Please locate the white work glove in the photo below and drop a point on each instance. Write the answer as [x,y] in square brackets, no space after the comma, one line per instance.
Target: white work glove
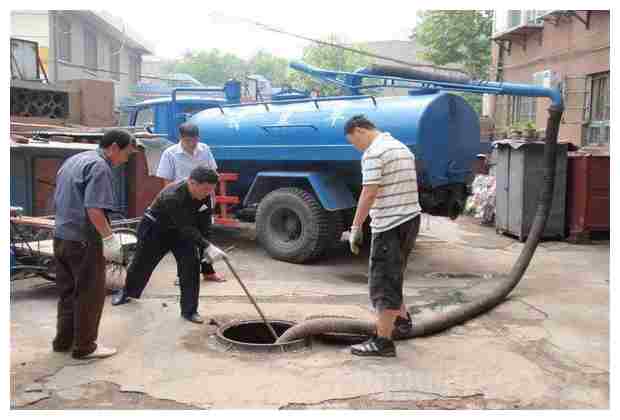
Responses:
[356,237]
[112,249]
[213,254]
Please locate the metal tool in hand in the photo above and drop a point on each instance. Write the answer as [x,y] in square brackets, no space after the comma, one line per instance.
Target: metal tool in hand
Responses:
[247,292]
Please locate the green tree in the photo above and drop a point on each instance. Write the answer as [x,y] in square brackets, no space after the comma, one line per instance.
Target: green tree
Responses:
[457,37]
[327,57]
[268,65]
[211,67]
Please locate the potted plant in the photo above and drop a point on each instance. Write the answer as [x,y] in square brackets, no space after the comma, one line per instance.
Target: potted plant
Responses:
[529,130]
[515,131]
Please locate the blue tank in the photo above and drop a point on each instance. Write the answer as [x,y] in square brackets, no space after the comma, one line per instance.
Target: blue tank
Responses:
[440,128]
[300,179]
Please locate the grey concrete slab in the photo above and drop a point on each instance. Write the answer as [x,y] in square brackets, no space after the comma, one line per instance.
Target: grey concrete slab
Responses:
[547,346]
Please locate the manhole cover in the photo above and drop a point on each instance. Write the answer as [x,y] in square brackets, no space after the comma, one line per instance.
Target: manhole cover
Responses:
[253,335]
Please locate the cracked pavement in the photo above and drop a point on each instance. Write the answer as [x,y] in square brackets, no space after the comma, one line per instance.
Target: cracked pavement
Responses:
[547,346]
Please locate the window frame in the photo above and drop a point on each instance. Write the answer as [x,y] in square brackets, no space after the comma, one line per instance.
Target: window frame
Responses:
[134,69]
[143,111]
[115,60]
[595,112]
[63,36]
[88,49]
[523,109]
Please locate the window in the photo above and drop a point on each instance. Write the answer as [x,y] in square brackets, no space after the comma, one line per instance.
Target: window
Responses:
[63,36]
[90,49]
[532,17]
[514,18]
[597,112]
[134,69]
[523,109]
[115,60]
[145,117]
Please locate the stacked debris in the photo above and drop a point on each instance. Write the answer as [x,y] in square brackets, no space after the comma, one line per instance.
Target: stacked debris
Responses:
[32,129]
[481,204]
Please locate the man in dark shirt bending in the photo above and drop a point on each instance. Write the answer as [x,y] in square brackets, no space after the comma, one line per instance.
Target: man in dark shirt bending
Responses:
[177,221]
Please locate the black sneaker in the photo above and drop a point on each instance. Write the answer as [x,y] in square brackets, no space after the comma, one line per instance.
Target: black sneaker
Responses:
[376,346]
[402,327]
[120,298]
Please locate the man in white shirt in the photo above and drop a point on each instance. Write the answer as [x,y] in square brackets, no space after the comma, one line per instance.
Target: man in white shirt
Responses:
[390,196]
[178,161]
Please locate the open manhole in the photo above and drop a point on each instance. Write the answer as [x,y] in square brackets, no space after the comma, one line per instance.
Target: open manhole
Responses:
[253,335]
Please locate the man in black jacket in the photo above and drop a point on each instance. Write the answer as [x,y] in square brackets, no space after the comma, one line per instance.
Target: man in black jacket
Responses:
[177,221]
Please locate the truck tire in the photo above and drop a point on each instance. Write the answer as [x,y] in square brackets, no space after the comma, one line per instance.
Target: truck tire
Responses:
[335,223]
[292,226]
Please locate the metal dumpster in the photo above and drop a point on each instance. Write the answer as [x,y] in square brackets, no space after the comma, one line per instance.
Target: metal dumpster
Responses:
[519,172]
[588,195]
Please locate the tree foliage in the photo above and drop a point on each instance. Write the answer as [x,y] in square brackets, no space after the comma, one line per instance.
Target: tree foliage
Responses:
[460,37]
[457,37]
[273,68]
[213,67]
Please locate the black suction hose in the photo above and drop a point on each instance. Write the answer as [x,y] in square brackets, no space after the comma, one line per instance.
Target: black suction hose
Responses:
[441,321]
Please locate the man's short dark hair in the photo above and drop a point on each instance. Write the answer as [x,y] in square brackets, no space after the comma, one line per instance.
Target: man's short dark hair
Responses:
[188,129]
[358,121]
[202,174]
[121,137]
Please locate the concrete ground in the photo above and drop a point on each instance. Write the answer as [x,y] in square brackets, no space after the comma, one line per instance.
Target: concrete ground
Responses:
[547,346]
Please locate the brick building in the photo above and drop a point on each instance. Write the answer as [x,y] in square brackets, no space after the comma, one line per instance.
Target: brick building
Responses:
[545,46]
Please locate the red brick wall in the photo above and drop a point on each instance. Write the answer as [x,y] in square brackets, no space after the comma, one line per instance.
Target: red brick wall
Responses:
[567,48]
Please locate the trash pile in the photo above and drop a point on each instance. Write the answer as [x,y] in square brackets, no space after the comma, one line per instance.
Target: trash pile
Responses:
[481,204]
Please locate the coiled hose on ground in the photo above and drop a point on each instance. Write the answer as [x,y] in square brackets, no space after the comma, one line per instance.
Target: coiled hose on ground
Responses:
[441,321]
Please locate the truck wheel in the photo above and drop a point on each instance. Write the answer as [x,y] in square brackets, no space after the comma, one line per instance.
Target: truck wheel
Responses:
[335,223]
[292,226]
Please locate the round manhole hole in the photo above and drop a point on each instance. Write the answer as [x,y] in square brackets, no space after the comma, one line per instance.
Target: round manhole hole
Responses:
[253,335]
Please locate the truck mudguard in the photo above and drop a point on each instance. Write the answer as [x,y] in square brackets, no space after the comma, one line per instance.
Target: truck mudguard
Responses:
[331,191]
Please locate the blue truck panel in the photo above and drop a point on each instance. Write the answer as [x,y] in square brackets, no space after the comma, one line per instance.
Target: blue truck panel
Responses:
[440,128]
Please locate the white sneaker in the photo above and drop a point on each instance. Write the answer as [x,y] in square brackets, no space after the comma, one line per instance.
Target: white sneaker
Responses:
[100,353]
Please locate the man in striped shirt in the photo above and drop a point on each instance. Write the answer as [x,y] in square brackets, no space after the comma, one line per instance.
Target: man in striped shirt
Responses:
[390,196]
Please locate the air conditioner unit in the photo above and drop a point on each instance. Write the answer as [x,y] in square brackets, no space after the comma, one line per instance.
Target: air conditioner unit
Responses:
[546,78]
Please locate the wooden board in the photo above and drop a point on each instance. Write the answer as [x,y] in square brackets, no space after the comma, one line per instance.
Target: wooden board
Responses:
[40,222]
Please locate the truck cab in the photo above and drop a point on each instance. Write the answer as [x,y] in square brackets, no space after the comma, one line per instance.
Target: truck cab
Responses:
[164,115]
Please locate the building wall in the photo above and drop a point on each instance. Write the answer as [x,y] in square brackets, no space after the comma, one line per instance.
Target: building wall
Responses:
[569,50]
[31,25]
[123,86]
[38,26]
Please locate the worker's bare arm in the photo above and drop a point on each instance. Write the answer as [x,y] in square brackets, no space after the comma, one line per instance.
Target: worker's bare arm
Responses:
[365,202]
[100,221]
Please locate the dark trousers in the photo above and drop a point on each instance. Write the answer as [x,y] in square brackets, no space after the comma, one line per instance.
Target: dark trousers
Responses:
[389,252]
[205,267]
[153,244]
[80,276]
